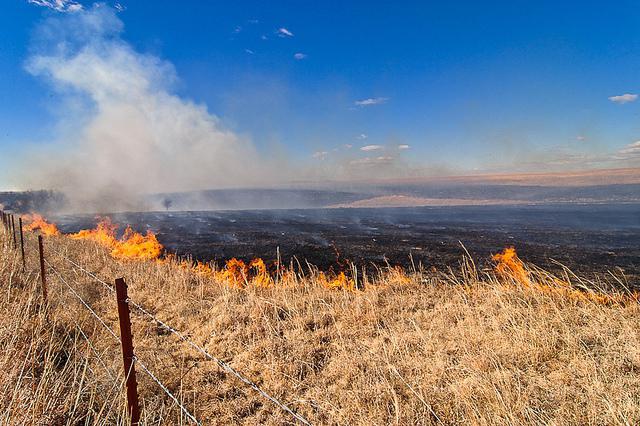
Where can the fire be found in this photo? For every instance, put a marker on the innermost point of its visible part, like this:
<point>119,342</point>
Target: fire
<point>132,245</point>
<point>103,234</point>
<point>510,265</point>
<point>39,222</point>
<point>237,273</point>
<point>261,277</point>
<point>136,246</point>
<point>339,282</point>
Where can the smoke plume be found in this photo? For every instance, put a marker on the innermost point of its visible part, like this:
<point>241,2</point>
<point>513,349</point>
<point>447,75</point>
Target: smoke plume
<point>122,132</point>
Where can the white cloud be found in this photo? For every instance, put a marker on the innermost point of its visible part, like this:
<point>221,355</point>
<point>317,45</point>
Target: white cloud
<point>119,7</point>
<point>283,32</point>
<point>320,155</point>
<point>371,148</point>
<point>59,5</point>
<point>372,161</point>
<point>348,146</point>
<point>237,29</point>
<point>581,138</point>
<point>623,99</point>
<point>404,146</point>
<point>249,51</point>
<point>299,56</point>
<point>371,101</point>
<point>264,37</point>
<point>631,150</point>
<point>362,136</point>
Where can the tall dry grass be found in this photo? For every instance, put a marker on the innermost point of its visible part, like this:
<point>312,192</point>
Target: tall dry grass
<point>463,347</point>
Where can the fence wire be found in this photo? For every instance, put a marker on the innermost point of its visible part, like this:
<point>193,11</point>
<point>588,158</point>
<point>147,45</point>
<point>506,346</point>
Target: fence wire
<point>222,364</point>
<point>136,360</point>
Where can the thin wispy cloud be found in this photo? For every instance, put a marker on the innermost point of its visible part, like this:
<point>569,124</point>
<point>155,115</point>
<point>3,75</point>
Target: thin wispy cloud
<point>372,161</point>
<point>348,146</point>
<point>283,32</point>
<point>59,5</point>
<point>371,148</point>
<point>403,147</point>
<point>371,101</point>
<point>299,56</point>
<point>253,21</point>
<point>119,7</point>
<point>264,37</point>
<point>320,155</point>
<point>581,138</point>
<point>362,136</point>
<point>249,51</point>
<point>623,99</point>
<point>237,29</point>
<point>631,150</point>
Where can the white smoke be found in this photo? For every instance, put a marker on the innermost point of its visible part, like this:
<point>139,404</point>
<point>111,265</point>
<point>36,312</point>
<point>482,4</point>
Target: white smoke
<point>130,135</point>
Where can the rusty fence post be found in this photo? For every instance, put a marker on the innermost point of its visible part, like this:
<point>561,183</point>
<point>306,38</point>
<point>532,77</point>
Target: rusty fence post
<point>13,231</point>
<point>43,276</point>
<point>127,350</point>
<point>22,245</point>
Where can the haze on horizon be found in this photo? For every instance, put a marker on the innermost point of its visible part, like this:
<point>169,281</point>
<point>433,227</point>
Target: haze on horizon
<point>117,97</point>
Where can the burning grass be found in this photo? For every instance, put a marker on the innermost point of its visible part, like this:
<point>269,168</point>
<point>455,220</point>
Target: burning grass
<point>510,346</point>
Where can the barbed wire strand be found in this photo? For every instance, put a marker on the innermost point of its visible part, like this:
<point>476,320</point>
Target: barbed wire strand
<point>94,350</point>
<point>89,273</point>
<point>226,367</point>
<point>221,363</point>
<point>135,358</point>
<point>167,391</point>
<point>86,305</point>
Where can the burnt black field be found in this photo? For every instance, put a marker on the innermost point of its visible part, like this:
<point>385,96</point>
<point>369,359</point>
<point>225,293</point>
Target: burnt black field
<point>589,239</point>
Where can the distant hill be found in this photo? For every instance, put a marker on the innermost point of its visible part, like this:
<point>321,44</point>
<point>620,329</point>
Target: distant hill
<point>610,186</point>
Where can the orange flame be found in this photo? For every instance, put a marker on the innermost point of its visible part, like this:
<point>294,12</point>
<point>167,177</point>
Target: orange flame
<point>510,265</point>
<point>136,246</point>
<point>103,234</point>
<point>38,222</point>
<point>261,276</point>
<point>339,282</point>
<point>132,245</point>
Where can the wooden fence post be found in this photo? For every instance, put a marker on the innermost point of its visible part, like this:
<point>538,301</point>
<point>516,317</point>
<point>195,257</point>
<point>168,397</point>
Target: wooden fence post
<point>43,276</point>
<point>22,244</point>
<point>127,350</point>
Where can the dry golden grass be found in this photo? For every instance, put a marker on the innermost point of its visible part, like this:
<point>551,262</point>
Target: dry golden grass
<point>424,348</point>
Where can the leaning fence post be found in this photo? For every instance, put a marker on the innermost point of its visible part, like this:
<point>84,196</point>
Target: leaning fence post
<point>22,244</point>
<point>127,350</point>
<point>43,276</point>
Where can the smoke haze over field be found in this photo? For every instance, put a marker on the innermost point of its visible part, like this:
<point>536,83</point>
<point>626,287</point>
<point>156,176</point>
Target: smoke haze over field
<point>123,133</point>
<point>313,114</point>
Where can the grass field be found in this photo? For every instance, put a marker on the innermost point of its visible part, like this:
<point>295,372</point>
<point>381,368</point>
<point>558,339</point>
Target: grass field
<point>422,347</point>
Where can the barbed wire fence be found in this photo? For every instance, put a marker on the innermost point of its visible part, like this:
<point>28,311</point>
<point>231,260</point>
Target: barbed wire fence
<point>125,340</point>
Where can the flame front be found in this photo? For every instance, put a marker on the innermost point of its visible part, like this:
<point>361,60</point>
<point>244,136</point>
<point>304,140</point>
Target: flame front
<point>38,222</point>
<point>236,273</point>
<point>132,245</point>
<point>339,282</point>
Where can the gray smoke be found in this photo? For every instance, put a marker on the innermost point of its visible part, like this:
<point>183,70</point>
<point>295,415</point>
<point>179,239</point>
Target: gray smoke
<point>122,131</point>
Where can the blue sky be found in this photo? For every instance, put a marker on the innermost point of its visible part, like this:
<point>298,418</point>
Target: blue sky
<point>433,86</point>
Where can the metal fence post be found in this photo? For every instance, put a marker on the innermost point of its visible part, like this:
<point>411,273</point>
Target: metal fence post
<point>22,244</point>
<point>127,350</point>
<point>43,276</point>
<point>13,231</point>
